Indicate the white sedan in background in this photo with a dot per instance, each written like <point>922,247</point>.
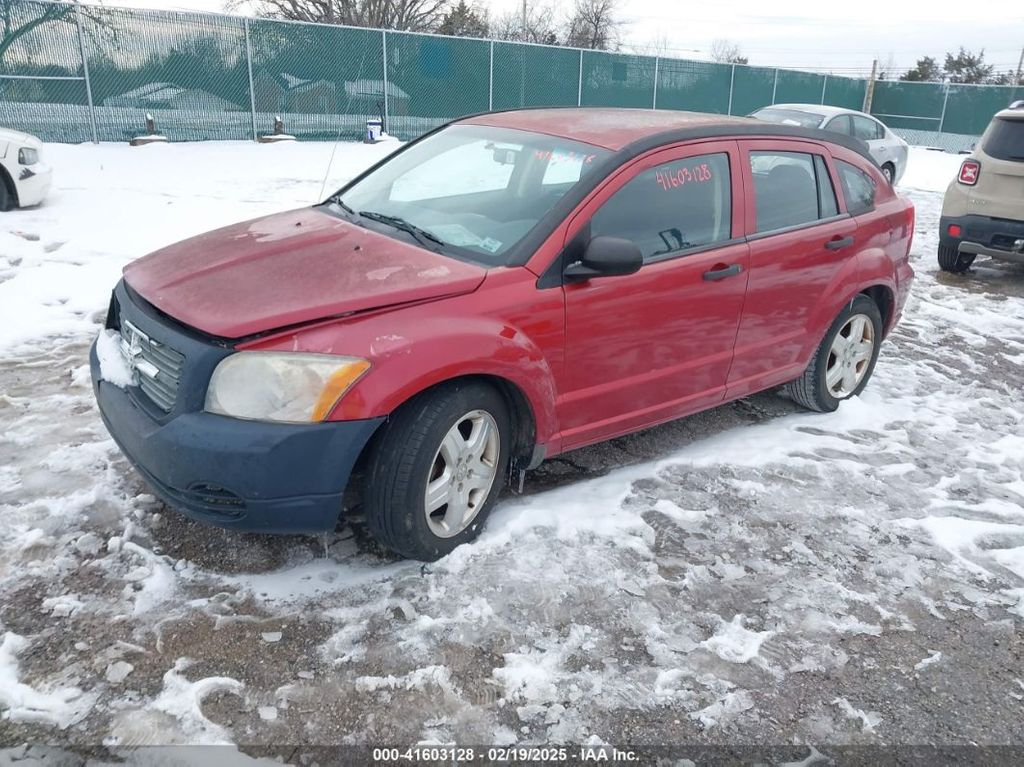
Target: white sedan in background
<point>24,179</point>
<point>888,149</point>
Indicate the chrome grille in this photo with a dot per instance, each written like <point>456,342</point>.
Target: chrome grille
<point>157,367</point>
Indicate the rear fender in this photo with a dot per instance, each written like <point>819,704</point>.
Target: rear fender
<point>869,268</point>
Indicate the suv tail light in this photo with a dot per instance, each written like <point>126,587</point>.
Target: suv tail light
<point>969,172</point>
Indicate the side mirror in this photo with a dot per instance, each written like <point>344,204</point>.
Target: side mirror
<point>606,257</point>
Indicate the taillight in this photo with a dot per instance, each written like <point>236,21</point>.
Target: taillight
<point>969,172</point>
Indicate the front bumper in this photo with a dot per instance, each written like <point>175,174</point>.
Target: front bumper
<point>984,236</point>
<point>33,183</point>
<point>247,475</point>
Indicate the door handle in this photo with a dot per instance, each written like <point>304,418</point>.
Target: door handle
<point>721,272</point>
<point>838,243</point>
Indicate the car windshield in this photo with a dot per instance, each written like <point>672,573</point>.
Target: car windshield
<point>470,191</point>
<point>1005,139</point>
<point>788,117</point>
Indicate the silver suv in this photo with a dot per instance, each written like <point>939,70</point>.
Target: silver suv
<point>983,212</point>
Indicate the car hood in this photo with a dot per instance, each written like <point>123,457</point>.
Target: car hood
<point>291,268</point>
<point>17,137</point>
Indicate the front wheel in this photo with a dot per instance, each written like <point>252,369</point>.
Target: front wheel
<point>437,469</point>
<point>845,359</point>
<point>889,171</point>
<point>952,260</point>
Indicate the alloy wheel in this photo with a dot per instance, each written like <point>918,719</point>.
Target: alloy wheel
<point>462,473</point>
<point>850,356</point>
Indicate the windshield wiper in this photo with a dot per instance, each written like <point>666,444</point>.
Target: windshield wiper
<point>336,199</point>
<point>422,235</point>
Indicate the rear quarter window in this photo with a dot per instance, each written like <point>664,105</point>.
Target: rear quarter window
<point>1005,140</point>
<point>858,188</point>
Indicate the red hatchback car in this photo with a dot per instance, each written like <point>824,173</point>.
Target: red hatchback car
<point>506,288</point>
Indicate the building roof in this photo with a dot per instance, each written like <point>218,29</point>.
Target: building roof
<point>609,128</point>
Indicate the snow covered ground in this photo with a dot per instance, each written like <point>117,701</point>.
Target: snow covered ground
<point>751,574</point>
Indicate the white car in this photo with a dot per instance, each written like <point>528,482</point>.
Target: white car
<point>24,178</point>
<point>888,149</point>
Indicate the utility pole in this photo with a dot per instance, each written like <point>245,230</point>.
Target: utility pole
<point>524,21</point>
<point>869,92</point>
<point>1020,66</point>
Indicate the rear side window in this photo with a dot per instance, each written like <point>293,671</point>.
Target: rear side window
<point>858,188</point>
<point>866,129</point>
<point>671,208</point>
<point>790,189</point>
<point>840,124</point>
<point>1005,140</point>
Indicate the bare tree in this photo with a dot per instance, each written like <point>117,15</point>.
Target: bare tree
<point>17,19</point>
<point>412,15</point>
<point>594,24</point>
<point>727,52</point>
<point>539,26</point>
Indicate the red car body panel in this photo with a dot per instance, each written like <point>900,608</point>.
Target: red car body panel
<point>288,269</point>
<point>593,359</point>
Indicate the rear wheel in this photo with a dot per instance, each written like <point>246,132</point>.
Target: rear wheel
<point>845,359</point>
<point>951,260</point>
<point>6,200</point>
<point>889,171</point>
<point>437,469</point>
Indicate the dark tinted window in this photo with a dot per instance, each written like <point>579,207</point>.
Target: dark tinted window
<point>1005,140</point>
<point>788,117</point>
<point>866,129</point>
<point>840,124</point>
<point>785,189</point>
<point>827,205</point>
<point>858,188</point>
<point>671,208</point>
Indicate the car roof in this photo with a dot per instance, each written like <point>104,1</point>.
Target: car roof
<point>629,132</point>
<point>609,128</point>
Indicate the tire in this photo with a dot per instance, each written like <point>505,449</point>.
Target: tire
<point>418,447</point>
<point>951,260</point>
<point>889,171</point>
<point>814,389</point>
<point>6,198</point>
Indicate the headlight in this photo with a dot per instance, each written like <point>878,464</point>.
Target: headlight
<point>272,386</point>
<point>28,156</point>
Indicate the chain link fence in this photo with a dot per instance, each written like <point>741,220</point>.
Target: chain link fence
<point>76,73</point>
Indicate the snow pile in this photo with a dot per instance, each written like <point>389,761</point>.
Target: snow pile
<point>113,368</point>
<point>60,707</point>
<point>735,643</point>
<point>929,170</point>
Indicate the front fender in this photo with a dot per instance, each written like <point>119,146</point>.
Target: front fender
<point>424,348</point>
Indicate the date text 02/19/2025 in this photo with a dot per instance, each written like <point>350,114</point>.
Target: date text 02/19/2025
<point>517,754</point>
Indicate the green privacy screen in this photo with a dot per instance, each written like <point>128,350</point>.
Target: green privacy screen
<point>30,99</point>
<point>432,80</point>
<point>534,76</point>
<point>694,86</point>
<point>321,81</point>
<point>752,89</point>
<point>207,76</point>
<point>188,71</point>
<point>616,80</point>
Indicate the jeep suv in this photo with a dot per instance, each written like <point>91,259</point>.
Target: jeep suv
<point>983,213</point>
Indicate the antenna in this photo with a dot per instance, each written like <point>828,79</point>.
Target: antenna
<point>337,137</point>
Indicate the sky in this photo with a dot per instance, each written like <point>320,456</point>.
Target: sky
<point>807,34</point>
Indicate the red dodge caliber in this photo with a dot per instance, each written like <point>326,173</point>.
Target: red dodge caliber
<point>506,288</point>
